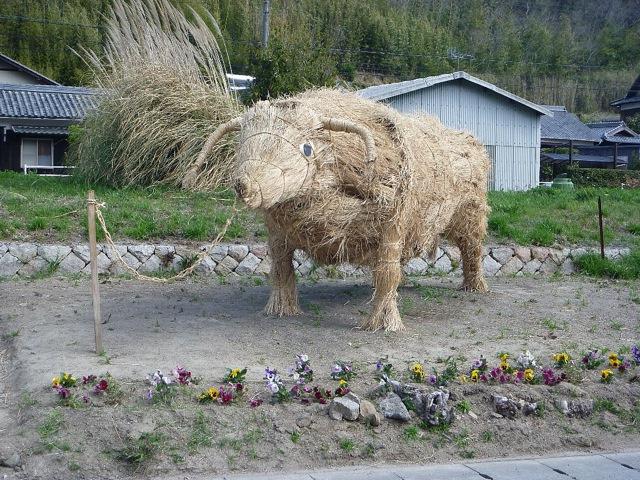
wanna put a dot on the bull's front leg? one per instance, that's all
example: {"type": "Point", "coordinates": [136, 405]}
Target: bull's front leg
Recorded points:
{"type": "Point", "coordinates": [284, 295]}
{"type": "Point", "coordinates": [387, 275]}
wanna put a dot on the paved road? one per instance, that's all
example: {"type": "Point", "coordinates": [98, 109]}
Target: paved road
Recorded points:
{"type": "Point", "coordinates": [615, 466]}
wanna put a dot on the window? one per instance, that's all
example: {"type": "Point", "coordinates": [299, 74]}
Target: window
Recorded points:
{"type": "Point", "coordinates": [37, 152]}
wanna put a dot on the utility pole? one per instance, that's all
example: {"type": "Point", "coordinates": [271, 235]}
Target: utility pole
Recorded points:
{"type": "Point", "coordinates": [265, 23]}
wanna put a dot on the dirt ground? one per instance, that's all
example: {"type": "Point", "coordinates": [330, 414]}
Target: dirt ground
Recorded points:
{"type": "Point", "coordinates": [47, 328]}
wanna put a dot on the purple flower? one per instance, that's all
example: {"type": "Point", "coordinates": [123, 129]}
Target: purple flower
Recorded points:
{"type": "Point", "coordinates": [336, 369]}
{"type": "Point", "coordinates": [635, 353]}
{"type": "Point", "coordinates": [433, 379]}
{"type": "Point", "coordinates": [101, 387]}
{"type": "Point", "coordinates": [85, 398]}
{"type": "Point", "coordinates": [182, 375]}
{"type": "Point", "coordinates": [149, 394]}
{"type": "Point", "coordinates": [64, 392]}
{"type": "Point", "coordinates": [88, 379]}
{"type": "Point", "coordinates": [379, 365]}
{"type": "Point", "coordinates": [255, 402]}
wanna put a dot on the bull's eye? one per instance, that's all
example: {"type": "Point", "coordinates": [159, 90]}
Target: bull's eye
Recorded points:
{"type": "Point", "coordinates": [306, 149]}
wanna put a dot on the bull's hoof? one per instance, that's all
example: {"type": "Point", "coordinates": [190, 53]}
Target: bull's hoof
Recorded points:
{"type": "Point", "coordinates": [282, 307]}
{"type": "Point", "coordinates": [475, 286]}
{"type": "Point", "coordinates": [387, 319]}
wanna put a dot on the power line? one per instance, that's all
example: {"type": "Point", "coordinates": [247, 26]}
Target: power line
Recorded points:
{"type": "Point", "coordinates": [20, 18]}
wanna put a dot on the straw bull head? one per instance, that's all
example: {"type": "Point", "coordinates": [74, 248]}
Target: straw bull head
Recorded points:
{"type": "Point", "coordinates": [279, 150]}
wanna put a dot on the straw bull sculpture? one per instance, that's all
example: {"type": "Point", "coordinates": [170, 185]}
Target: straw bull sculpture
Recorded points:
{"type": "Point", "coordinates": [350, 180]}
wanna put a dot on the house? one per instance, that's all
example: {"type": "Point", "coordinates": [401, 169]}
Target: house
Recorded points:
{"type": "Point", "coordinates": [34, 124]}
{"type": "Point", "coordinates": [630, 104]}
{"type": "Point", "coordinates": [12, 71]}
{"type": "Point", "coordinates": [617, 141]}
{"type": "Point", "coordinates": [508, 125]}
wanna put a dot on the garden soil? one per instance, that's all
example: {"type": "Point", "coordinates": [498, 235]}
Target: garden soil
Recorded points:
{"type": "Point", "coordinates": [209, 326]}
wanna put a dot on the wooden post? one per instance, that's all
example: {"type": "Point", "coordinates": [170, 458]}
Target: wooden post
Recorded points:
{"type": "Point", "coordinates": [600, 226]}
{"type": "Point", "coordinates": [93, 255]}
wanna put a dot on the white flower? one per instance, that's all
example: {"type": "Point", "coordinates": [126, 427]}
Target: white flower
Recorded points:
{"type": "Point", "coordinates": [526, 360]}
{"type": "Point", "coordinates": [304, 358]}
{"type": "Point", "coordinates": [273, 387]}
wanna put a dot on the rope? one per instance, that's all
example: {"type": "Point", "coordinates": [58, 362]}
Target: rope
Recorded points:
{"type": "Point", "coordinates": [182, 274]}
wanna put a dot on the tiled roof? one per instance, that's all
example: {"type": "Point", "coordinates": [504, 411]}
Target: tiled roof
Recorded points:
{"type": "Point", "coordinates": [565, 126]}
{"type": "Point", "coordinates": [633, 95]}
{"type": "Point", "coordinates": [381, 92]}
{"type": "Point", "coordinates": [38, 130]}
{"type": "Point", "coordinates": [46, 101]}
{"type": "Point", "coordinates": [611, 131]}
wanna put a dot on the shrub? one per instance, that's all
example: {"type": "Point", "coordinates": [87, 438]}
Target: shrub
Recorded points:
{"type": "Point", "coordinates": [600, 177]}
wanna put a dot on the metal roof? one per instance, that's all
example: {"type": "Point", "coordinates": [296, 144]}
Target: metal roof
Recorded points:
{"type": "Point", "coordinates": [38, 130]}
{"type": "Point", "coordinates": [610, 131]}
{"type": "Point", "coordinates": [565, 126]}
{"type": "Point", "coordinates": [564, 157]}
{"type": "Point", "coordinates": [633, 95]}
{"type": "Point", "coordinates": [382, 92]}
{"type": "Point", "coordinates": [23, 68]}
{"type": "Point", "coordinates": [46, 101]}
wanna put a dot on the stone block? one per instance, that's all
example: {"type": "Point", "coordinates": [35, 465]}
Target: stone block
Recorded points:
{"type": "Point", "coordinates": [416, 266]}
{"type": "Point", "coordinates": [238, 252]}
{"type": "Point", "coordinates": [443, 264]}
{"type": "Point", "coordinates": [300, 256]}
{"type": "Point", "coordinates": [512, 267]}
{"type": "Point", "coordinates": [523, 253]}
{"type": "Point", "coordinates": [540, 253]}
{"type": "Point", "coordinates": [4, 248]}
{"type": "Point", "coordinates": [532, 266]}
{"type": "Point", "coordinates": [71, 264]}
{"type": "Point", "coordinates": [248, 265]}
{"type": "Point", "coordinates": [305, 267]}
{"type": "Point", "coordinates": [218, 252]}
{"type": "Point", "coordinates": [226, 265]}
{"type": "Point", "coordinates": [453, 253]}
{"type": "Point", "coordinates": [83, 252]}
{"type": "Point", "coordinates": [502, 254]}
{"type": "Point", "coordinates": [264, 268]}
{"type": "Point", "coordinates": [36, 265]}
{"type": "Point", "coordinates": [53, 253]}
{"type": "Point", "coordinates": [153, 265]}
{"type": "Point", "coordinates": [206, 267]}
{"type": "Point", "coordinates": [141, 252]}
{"type": "Point", "coordinates": [568, 267]}
{"type": "Point", "coordinates": [548, 266]}
{"type": "Point", "coordinates": [102, 261]}
{"type": "Point", "coordinates": [260, 250]}
{"type": "Point", "coordinates": [557, 255]}
{"type": "Point", "coordinates": [9, 265]}
{"type": "Point", "coordinates": [392, 407]}
{"type": "Point", "coordinates": [23, 251]}
{"type": "Point", "coordinates": [346, 269]}
{"type": "Point", "coordinates": [118, 269]}
{"type": "Point", "coordinates": [490, 266]}
{"type": "Point", "coordinates": [165, 251]}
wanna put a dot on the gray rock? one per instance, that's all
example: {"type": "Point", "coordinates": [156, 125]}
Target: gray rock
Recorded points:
{"type": "Point", "coordinates": [82, 251]}
{"type": "Point", "coordinates": [568, 267]}
{"type": "Point", "coordinates": [558, 256]}
{"type": "Point", "coordinates": [141, 252]}
{"type": "Point", "coordinates": [581, 408]}
{"type": "Point", "coordinates": [513, 266]}
{"type": "Point", "coordinates": [102, 261]}
{"type": "Point", "coordinates": [300, 256]}
{"type": "Point", "coordinates": [563, 405]}
{"type": "Point", "coordinates": [53, 253]}
{"type": "Point", "coordinates": [504, 406]}
{"type": "Point", "coordinates": [532, 266]}
{"type": "Point", "coordinates": [226, 265]}
{"type": "Point", "coordinates": [453, 253]}
{"type": "Point", "coordinates": [346, 269]}
{"type": "Point", "coordinates": [165, 251]}
{"type": "Point", "coordinates": [392, 407]}
{"type": "Point", "coordinates": [304, 421]}
{"type": "Point", "coordinates": [238, 252]}
{"type": "Point", "coordinates": [496, 415]}
{"type": "Point", "coordinates": [248, 265]}
{"type": "Point", "coordinates": [305, 267]}
{"type": "Point", "coordinates": [152, 265]}
{"type": "Point", "coordinates": [502, 254]}
{"type": "Point", "coordinates": [432, 407]}
{"type": "Point", "coordinates": [36, 265]}
{"type": "Point", "coordinates": [206, 266]}
{"type": "Point", "coordinates": [4, 248]}
{"type": "Point", "coordinates": [23, 251]}
{"type": "Point", "coordinates": [218, 252]}
{"type": "Point", "coordinates": [344, 407]}
{"type": "Point", "coordinates": [118, 269]}
{"type": "Point", "coordinates": [264, 268]}
{"type": "Point", "coordinates": [549, 266]}
{"type": "Point", "coordinates": [523, 253]}
{"type": "Point", "coordinates": [490, 266]}
{"type": "Point", "coordinates": [540, 253]}
{"type": "Point", "coordinates": [13, 460]}
{"type": "Point", "coordinates": [443, 264]}
{"type": "Point", "coordinates": [260, 251]}
{"type": "Point", "coordinates": [71, 264]}
{"type": "Point", "coordinates": [529, 408]}
{"type": "Point", "coordinates": [415, 266]}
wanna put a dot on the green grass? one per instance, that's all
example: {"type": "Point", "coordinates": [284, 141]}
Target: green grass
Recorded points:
{"type": "Point", "coordinates": [347, 445]}
{"type": "Point", "coordinates": [141, 449]}
{"type": "Point", "coordinates": [625, 267]}
{"type": "Point", "coordinates": [54, 209]}
{"type": "Point", "coordinates": [201, 435]}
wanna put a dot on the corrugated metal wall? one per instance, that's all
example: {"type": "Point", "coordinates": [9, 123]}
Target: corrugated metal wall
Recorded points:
{"type": "Point", "coordinates": [510, 131]}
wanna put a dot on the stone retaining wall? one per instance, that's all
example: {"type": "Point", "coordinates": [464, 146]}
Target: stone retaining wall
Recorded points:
{"type": "Point", "coordinates": [28, 259]}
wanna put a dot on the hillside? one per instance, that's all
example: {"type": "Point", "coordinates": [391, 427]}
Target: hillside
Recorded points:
{"type": "Point", "coordinates": [582, 54]}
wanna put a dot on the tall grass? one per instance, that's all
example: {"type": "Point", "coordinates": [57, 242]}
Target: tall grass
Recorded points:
{"type": "Point", "coordinates": [626, 267]}
{"type": "Point", "coordinates": [164, 89]}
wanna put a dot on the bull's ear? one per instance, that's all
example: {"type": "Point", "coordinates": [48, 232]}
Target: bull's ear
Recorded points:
{"type": "Point", "coordinates": [341, 125]}
{"type": "Point", "coordinates": [189, 180]}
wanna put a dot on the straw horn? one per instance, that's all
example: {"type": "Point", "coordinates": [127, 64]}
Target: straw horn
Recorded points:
{"type": "Point", "coordinates": [340, 125]}
{"type": "Point", "coordinates": [191, 175]}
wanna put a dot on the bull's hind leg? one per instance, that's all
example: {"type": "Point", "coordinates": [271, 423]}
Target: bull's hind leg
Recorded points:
{"type": "Point", "coordinates": [284, 295]}
{"type": "Point", "coordinates": [468, 235]}
{"type": "Point", "coordinates": [387, 276]}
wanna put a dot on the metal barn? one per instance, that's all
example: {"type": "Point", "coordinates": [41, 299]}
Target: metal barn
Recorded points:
{"type": "Point", "coordinates": [508, 125]}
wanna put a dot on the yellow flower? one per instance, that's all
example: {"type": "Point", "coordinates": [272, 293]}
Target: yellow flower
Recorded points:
{"type": "Point", "coordinates": [614, 361]}
{"type": "Point", "coordinates": [234, 373]}
{"type": "Point", "coordinates": [464, 379]}
{"type": "Point", "coordinates": [417, 368]}
{"type": "Point", "coordinates": [55, 382]}
{"type": "Point", "coordinates": [504, 357]}
{"type": "Point", "coordinates": [342, 382]}
{"type": "Point", "coordinates": [504, 365]}
{"type": "Point", "coordinates": [606, 375]}
{"type": "Point", "coordinates": [561, 358]}
{"type": "Point", "coordinates": [475, 375]}
{"type": "Point", "coordinates": [529, 374]}
{"type": "Point", "coordinates": [213, 393]}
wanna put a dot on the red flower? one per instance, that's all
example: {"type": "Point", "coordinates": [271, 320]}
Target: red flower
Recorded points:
{"type": "Point", "coordinates": [101, 387]}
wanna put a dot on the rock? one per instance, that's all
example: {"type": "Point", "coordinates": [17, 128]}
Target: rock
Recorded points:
{"type": "Point", "coordinates": [374, 420]}
{"type": "Point", "coordinates": [529, 408]}
{"type": "Point", "coordinates": [305, 267]}
{"type": "Point", "coordinates": [9, 265]}
{"type": "Point", "coordinates": [82, 251]}
{"type": "Point", "coordinates": [472, 415]}
{"type": "Point", "coordinates": [391, 406]}
{"type": "Point", "coordinates": [248, 265]}
{"type": "Point", "coordinates": [569, 390]}
{"type": "Point", "coordinates": [367, 408]}
{"type": "Point", "coordinates": [206, 267]}
{"type": "Point", "coordinates": [346, 407]}
{"type": "Point", "coordinates": [540, 253]}
{"type": "Point", "coordinates": [549, 266]}
{"type": "Point", "coordinates": [304, 421]}
{"type": "Point", "coordinates": [416, 266]}
{"type": "Point", "coordinates": [4, 248]}
{"type": "Point", "coordinates": [118, 269]}
{"type": "Point", "coordinates": [453, 253]}
{"type": "Point", "coordinates": [334, 414]}
{"type": "Point", "coordinates": [227, 265]}
{"type": "Point", "coordinates": [532, 266]}
{"type": "Point", "coordinates": [502, 254]}
{"type": "Point", "coordinates": [523, 253]}
{"type": "Point", "coordinates": [264, 268]}
{"type": "Point", "coordinates": [141, 252]}
{"type": "Point", "coordinates": [23, 251]}
{"type": "Point", "coordinates": [432, 407]}
{"type": "Point", "coordinates": [513, 266]}
{"type": "Point", "coordinates": [346, 269]}
{"type": "Point", "coordinates": [103, 263]}
{"type": "Point", "coordinates": [152, 265]}
{"type": "Point", "coordinates": [260, 251]}
{"type": "Point", "coordinates": [568, 267]}
{"type": "Point", "coordinates": [443, 264]}
{"type": "Point", "coordinates": [218, 252]}
{"type": "Point", "coordinates": [238, 252]}
{"type": "Point", "coordinates": [562, 405]}
{"type": "Point", "coordinates": [53, 253]}
{"type": "Point", "coordinates": [490, 266]}
{"type": "Point", "coordinates": [581, 408]}
{"type": "Point", "coordinates": [71, 264]}
{"type": "Point", "coordinates": [353, 397]}
{"type": "Point", "coordinates": [13, 460]}
{"type": "Point", "coordinates": [496, 415]}
{"type": "Point", "coordinates": [37, 264]}
{"type": "Point", "coordinates": [558, 256]}
{"type": "Point", "coordinates": [505, 406]}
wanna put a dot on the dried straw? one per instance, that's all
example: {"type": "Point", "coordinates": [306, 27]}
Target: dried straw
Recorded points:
{"type": "Point", "coordinates": [165, 90]}
{"type": "Point", "coordinates": [427, 183]}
